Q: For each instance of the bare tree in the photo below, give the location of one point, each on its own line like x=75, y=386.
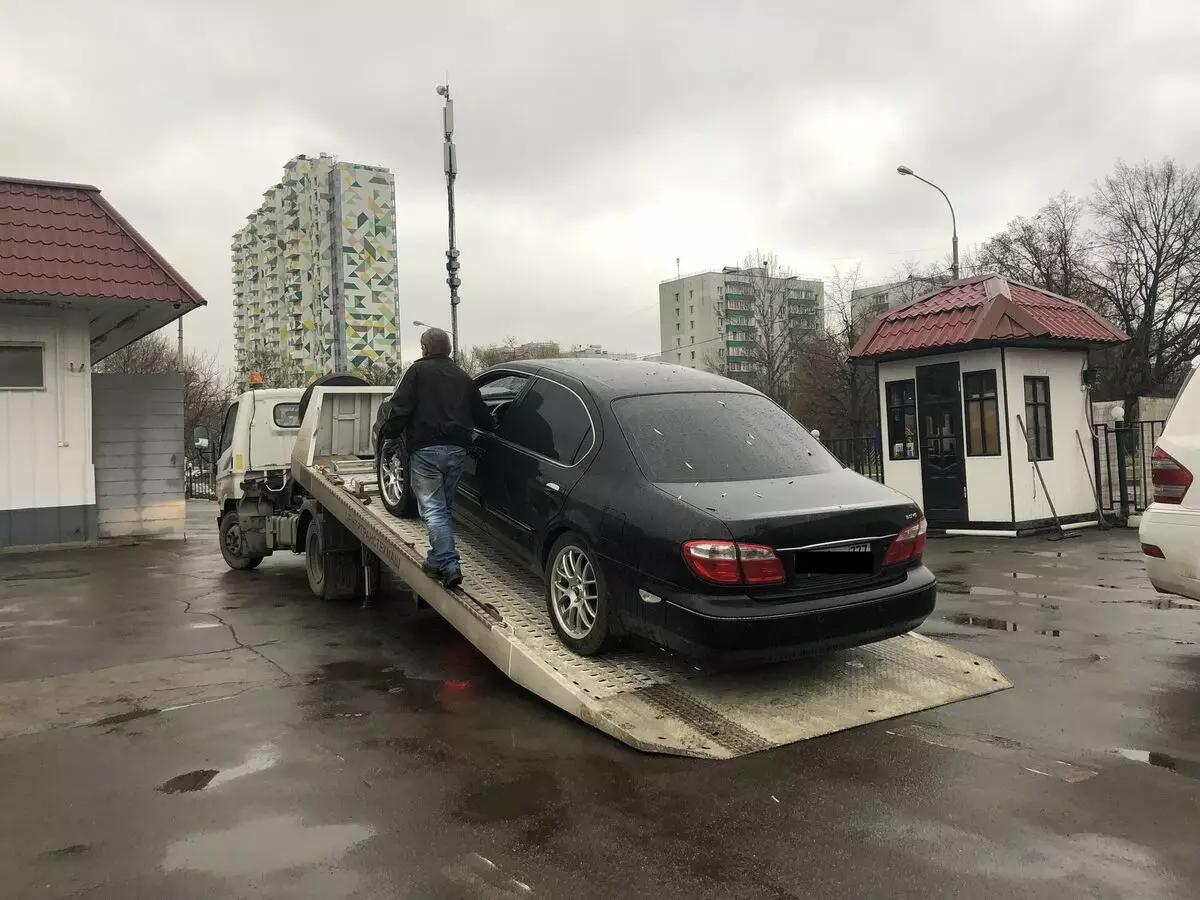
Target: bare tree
x=758, y=310
x=481, y=358
x=1136, y=260
x=379, y=372
x=1147, y=271
x=278, y=369
x=829, y=392
x=1049, y=250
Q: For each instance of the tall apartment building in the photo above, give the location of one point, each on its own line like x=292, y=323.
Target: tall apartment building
x=707, y=320
x=314, y=270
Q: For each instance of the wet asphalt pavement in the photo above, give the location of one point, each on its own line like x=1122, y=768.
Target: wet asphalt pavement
x=295, y=749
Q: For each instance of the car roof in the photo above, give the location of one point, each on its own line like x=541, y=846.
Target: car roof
x=608, y=379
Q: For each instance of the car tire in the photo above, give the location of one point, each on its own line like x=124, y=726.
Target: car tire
x=332, y=577
x=230, y=539
x=572, y=566
x=395, y=493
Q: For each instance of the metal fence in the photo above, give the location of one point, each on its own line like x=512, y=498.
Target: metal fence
x=198, y=479
x=1121, y=465
x=862, y=454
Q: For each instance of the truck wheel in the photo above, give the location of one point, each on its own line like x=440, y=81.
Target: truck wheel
x=231, y=544
x=577, y=597
x=395, y=479
x=332, y=577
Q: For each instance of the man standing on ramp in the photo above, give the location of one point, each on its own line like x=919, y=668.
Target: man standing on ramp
x=438, y=406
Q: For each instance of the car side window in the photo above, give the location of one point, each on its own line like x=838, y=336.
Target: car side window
x=550, y=421
x=501, y=387
x=227, y=430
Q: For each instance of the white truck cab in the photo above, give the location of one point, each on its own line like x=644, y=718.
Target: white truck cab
x=257, y=437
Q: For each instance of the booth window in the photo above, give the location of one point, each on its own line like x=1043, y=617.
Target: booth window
x=983, y=413
x=1037, y=418
x=22, y=367
x=901, y=419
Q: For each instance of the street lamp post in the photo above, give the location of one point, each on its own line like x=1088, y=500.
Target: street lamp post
x=905, y=170
x=449, y=158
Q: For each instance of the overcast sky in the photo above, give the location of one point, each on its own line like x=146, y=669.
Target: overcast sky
x=596, y=142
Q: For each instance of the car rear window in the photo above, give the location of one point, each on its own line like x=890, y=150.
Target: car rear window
x=717, y=437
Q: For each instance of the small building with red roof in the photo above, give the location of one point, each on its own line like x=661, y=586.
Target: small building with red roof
x=83, y=456
x=983, y=396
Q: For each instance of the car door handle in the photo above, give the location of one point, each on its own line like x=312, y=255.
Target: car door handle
x=551, y=486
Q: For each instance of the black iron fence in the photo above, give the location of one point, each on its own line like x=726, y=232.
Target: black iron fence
x=198, y=481
x=1121, y=465
x=862, y=454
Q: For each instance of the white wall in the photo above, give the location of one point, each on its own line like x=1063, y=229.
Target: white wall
x=1066, y=476
x=139, y=455
x=45, y=435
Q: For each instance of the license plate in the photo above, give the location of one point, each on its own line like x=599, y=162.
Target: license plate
x=850, y=548
x=847, y=559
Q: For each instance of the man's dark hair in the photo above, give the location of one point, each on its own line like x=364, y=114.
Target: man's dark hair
x=436, y=342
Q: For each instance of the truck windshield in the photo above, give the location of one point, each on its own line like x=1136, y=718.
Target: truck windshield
x=717, y=437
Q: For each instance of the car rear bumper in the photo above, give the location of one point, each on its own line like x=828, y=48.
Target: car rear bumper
x=759, y=632
x=1175, y=531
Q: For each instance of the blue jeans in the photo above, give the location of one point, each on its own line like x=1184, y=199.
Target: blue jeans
x=435, y=474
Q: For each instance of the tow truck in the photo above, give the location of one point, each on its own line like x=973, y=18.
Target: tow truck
x=295, y=472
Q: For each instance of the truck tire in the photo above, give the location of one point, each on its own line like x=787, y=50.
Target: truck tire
x=331, y=577
x=230, y=539
x=395, y=479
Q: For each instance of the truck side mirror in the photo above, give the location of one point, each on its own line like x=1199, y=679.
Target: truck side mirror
x=201, y=440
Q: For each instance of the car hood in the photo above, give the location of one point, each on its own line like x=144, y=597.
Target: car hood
x=801, y=510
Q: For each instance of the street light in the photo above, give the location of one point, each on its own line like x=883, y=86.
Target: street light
x=450, y=160
x=905, y=170
x=421, y=324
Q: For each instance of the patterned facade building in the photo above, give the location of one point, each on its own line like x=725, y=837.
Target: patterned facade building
x=314, y=272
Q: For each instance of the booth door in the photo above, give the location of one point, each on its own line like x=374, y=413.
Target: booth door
x=940, y=430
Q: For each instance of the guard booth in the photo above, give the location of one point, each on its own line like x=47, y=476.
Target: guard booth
x=984, y=403
x=83, y=456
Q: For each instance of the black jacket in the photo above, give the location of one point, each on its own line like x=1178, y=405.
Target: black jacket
x=435, y=403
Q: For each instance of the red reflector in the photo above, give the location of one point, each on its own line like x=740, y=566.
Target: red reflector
x=908, y=545
x=1171, y=480
x=724, y=562
x=1153, y=550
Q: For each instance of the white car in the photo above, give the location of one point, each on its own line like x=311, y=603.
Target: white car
x=1170, y=529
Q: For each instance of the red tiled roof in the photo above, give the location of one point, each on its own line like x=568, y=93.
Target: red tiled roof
x=65, y=240
x=987, y=309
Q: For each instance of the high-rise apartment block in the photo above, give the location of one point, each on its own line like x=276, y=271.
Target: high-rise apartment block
x=708, y=320
x=314, y=271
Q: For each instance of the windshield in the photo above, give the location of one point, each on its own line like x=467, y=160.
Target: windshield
x=717, y=437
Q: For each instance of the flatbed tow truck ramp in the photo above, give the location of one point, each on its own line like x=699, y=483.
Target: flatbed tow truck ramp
x=653, y=702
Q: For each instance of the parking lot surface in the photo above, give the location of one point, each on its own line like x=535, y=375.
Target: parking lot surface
x=169, y=728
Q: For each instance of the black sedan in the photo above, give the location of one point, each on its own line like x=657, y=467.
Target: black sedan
x=686, y=508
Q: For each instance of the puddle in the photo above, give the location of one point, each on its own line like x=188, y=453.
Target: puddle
x=1020, y=575
x=126, y=717
x=196, y=780
x=1189, y=768
x=265, y=846
x=997, y=624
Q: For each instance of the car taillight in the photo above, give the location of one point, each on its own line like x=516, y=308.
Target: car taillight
x=1171, y=480
x=908, y=545
x=725, y=562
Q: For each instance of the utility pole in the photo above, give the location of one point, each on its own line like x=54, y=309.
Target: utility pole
x=451, y=166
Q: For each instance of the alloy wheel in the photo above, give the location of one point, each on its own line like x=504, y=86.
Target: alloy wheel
x=391, y=474
x=574, y=592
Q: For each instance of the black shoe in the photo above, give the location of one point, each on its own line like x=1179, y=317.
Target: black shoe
x=452, y=578
x=434, y=573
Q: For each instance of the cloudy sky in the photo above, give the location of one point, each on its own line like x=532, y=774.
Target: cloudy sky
x=597, y=142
